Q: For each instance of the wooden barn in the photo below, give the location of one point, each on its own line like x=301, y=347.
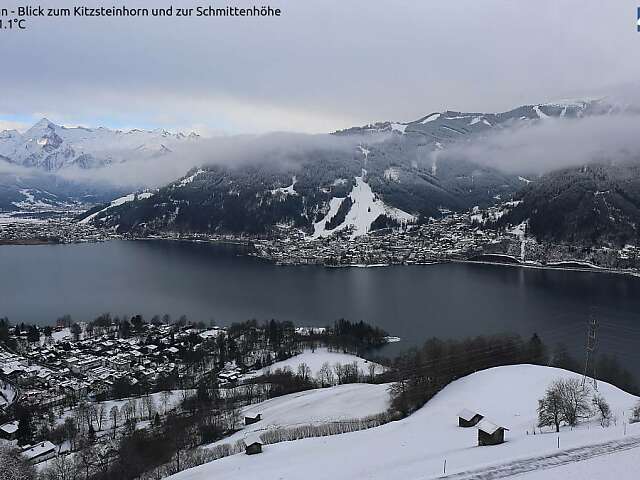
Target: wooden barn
x=490, y=434
x=468, y=418
x=253, y=444
x=252, y=417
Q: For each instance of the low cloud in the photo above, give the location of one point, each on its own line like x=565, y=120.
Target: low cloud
x=555, y=143
x=275, y=151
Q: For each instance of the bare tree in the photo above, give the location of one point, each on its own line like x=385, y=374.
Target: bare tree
x=603, y=409
x=132, y=405
x=635, y=413
x=339, y=370
x=325, y=375
x=550, y=409
x=114, y=414
x=62, y=467
x=101, y=413
x=149, y=406
x=165, y=397
x=14, y=465
x=565, y=400
x=304, y=371
x=372, y=371
x=575, y=400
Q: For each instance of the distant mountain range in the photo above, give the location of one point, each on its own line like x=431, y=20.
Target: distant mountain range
x=32, y=163
x=392, y=174
x=51, y=147
x=400, y=176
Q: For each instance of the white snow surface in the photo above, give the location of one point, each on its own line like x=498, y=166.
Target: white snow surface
x=187, y=180
x=622, y=465
x=117, y=202
x=539, y=112
x=342, y=402
x=319, y=228
x=416, y=447
x=316, y=359
x=431, y=118
x=366, y=208
x=286, y=190
x=399, y=127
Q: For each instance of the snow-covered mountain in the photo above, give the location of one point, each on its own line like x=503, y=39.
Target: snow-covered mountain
x=52, y=147
x=395, y=174
x=450, y=125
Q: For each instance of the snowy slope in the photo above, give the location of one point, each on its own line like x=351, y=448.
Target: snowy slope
x=417, y=446
x=316, y=359
x=621, y=465
x=117, y=202
x=343, y=402
x=366, y=208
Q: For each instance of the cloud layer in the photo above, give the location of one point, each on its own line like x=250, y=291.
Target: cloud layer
x=323, y=65
x=555, y=143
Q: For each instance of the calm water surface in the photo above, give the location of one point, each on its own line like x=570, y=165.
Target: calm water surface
x=41, y=283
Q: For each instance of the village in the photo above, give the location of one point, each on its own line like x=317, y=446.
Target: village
x=474, y=235
x=75, y=371
x=46, y=227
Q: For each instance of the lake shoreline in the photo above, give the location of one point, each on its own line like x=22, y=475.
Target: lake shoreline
x=250, y=244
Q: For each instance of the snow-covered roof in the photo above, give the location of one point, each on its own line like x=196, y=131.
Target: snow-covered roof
x=252, y=414
x=39, y=449
x=467, y=415
x=252, y=438
x=489, y=427
x=11, y=427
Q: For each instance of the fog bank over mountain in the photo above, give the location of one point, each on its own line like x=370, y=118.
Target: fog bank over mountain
x=555, y=143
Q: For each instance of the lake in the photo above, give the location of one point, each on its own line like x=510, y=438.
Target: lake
x=40, y=283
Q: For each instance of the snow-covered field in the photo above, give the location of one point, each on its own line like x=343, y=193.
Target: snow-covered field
x=316, y=359
x=622, y=465
x=343, y=402
x=417, y=447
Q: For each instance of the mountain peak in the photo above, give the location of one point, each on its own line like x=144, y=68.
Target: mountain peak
x=43, y=122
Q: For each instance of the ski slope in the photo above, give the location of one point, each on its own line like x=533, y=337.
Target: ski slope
x=416, y=447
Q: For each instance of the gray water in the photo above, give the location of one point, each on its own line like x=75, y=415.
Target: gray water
x=40, y=283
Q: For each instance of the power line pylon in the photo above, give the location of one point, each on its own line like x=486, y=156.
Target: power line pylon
x=590, y=361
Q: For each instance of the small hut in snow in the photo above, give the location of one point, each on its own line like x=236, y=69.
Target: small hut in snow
x=468, y=418
x=252, y=417
x=253, y=444
x=489, y=433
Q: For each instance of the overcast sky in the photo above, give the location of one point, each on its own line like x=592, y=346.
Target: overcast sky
x=323, y=65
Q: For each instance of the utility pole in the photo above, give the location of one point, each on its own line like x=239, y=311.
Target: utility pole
x=590, y=360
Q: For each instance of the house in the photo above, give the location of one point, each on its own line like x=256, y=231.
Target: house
x=39, y=452
x=468, y=418
x=253, y=444
x=252, y=417
x=9, y=431
x=489, y=433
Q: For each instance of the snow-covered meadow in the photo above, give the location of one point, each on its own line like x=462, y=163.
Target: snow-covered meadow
x=417, y=446
x=316, y=359
x=315, y=407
